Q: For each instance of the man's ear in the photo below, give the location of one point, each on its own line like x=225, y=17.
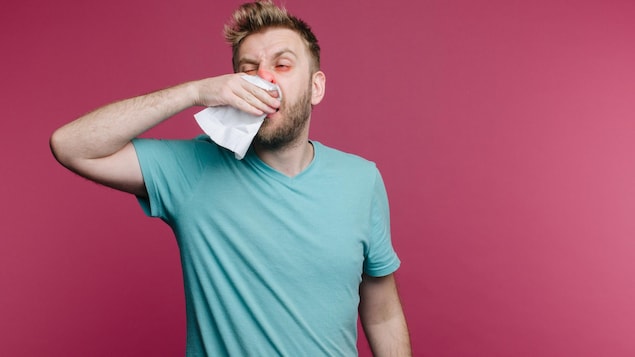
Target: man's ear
x=318, y=87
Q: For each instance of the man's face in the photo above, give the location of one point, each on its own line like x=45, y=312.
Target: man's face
x=280, y=56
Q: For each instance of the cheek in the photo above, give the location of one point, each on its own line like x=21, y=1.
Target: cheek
x=292, y=90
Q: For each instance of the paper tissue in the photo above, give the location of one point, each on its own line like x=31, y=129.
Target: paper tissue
x=232, y=128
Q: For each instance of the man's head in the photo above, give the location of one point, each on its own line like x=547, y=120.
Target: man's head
x=259, y=16
x=280, y=48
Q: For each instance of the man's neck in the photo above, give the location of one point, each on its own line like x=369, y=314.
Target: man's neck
x=290, y=159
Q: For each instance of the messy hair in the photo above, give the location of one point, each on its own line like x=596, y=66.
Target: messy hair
x=261, y=15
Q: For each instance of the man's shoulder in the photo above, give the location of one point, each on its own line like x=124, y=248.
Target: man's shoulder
x=344, y=161
x=343, y=156
x=198, y=142
x=200, y=149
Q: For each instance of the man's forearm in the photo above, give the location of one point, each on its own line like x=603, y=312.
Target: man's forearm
x=382, y=317
x=98, y=145
x=106, y=130
x=389, y=338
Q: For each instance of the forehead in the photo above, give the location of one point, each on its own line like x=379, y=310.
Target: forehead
x=270, y=42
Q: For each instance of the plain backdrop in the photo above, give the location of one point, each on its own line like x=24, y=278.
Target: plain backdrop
x=504, y=130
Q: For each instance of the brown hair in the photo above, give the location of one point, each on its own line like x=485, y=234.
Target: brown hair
x=258, y=16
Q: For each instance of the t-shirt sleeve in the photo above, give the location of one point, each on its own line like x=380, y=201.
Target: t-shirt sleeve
x=381, y=258
x=170, y=170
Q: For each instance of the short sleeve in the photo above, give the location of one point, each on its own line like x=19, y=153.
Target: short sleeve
x=381, y=258
x=170, y=170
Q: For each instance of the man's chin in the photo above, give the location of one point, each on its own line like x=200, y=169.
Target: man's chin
x=269, y=144
x=269, y=138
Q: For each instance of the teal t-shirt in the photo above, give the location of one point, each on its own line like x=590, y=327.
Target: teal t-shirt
x=271, y=264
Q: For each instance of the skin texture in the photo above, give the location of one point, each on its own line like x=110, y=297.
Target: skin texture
x=98, y=145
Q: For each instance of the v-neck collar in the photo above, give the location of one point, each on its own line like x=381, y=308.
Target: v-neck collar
x=253, y=159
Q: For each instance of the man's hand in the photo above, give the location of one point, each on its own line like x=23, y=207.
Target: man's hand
x=234, y=91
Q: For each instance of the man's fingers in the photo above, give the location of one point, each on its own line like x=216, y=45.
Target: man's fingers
x=258, y=100
x=234, y=91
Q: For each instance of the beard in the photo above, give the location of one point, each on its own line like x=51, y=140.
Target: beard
x=293, y=120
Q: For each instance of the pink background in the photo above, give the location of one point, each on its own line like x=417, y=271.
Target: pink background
x=504, y=129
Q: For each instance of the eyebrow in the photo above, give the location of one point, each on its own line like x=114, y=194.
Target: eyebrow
x=244, y=61
x=282, y=52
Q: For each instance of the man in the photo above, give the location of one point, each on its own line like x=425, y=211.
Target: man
x=280, y=250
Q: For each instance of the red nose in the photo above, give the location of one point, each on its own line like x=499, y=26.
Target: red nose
x=266, y=75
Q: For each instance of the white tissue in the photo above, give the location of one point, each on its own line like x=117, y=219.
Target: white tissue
x=232, y=128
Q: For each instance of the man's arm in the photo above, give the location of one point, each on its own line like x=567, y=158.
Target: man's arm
x=98, y=145
x=382, y=317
